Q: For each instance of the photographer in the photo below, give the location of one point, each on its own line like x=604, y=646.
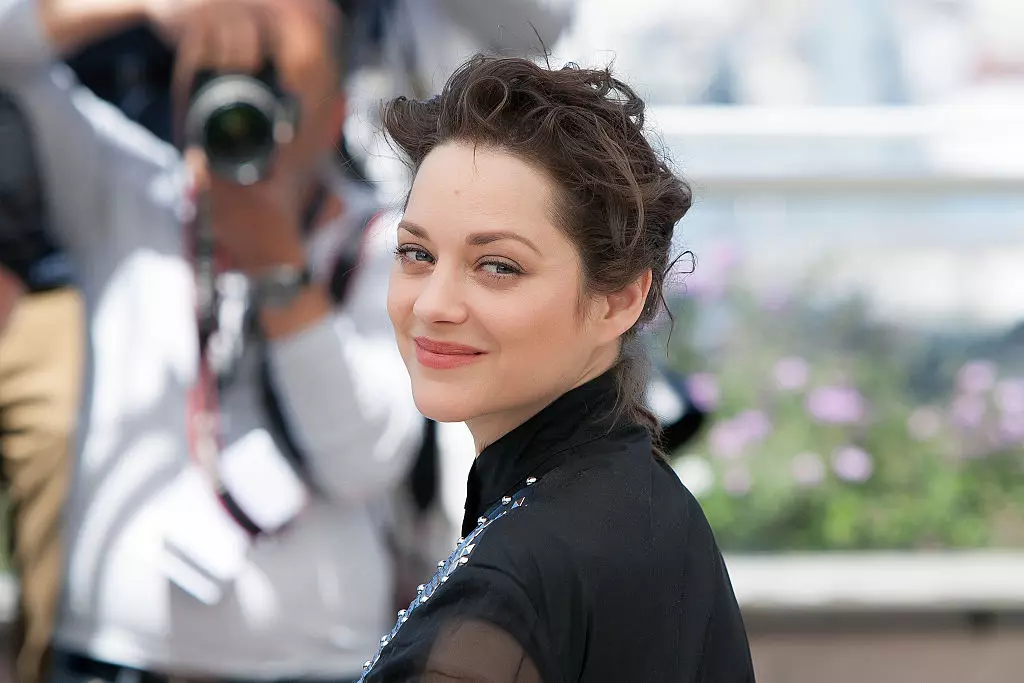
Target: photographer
x=238, y=429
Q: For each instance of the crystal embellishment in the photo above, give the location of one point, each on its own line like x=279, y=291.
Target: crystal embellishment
x=446, y=568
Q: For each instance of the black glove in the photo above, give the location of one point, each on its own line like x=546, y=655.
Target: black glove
x=25, y=248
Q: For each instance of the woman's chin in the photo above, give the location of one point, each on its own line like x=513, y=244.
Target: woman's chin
x=440, y=408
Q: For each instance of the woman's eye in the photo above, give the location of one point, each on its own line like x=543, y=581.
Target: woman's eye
x=499, y=269
x=413, y=254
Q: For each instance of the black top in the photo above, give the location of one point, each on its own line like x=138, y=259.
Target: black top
x=583, y=559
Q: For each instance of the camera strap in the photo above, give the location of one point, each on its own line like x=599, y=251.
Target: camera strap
x=204, y=410
x=204, y=423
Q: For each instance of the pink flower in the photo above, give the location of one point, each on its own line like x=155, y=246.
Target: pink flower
x=1010, y=396
x=791, y=373
x=968, y=411
x=726, y=441
x=1011, y=430
x=753, y=424
x=729, y=438
x=852, y=464
x=703, y=389
x=976, y=376
x=836, y=405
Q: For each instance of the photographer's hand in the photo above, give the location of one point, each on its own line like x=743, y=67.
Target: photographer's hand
x=258, y=226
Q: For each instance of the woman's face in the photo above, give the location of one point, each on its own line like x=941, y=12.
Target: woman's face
x=485, y=294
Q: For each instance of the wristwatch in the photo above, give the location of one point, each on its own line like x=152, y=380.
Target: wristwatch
x=279, y=286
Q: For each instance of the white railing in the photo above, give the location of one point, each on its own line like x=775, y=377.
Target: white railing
x=957, y=582
x=730, y=151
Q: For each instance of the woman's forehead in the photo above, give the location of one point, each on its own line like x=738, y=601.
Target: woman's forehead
x=460, y=181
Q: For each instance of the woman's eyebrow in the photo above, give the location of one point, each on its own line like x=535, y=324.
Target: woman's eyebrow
x=478, y=239
x=413, y=229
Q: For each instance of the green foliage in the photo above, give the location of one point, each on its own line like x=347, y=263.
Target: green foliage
x=833, y=431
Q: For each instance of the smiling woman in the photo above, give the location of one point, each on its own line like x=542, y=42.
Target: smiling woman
x=533, y=249
x=481, y=263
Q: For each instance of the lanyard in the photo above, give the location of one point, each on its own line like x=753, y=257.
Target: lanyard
x=203, y=409
x=204, y=415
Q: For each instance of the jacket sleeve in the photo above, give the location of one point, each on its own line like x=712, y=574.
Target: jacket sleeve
x=345, y=391
x=86, y=148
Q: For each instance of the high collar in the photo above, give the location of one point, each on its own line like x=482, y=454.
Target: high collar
x=540, y=444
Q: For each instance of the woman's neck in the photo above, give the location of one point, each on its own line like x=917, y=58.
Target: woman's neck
x=486, y=429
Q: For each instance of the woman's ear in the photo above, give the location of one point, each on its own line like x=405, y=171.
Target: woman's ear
x=624, y=307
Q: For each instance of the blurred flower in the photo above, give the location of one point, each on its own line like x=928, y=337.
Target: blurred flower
x=852, y=464
x=968, y=411
x=711, y=274
x=736, y=480
x=753, y=424
x=696, y=474
x=774, y=300
x=808, y=469
x=1010, y=396
x=924, y=423
x=1011, y=430
x=705, y=282
x=703, y=390
x=726, y=256
x=726, y=440
x=791, y=373
x=836, y=405
x=729, y=438
x=976, y=376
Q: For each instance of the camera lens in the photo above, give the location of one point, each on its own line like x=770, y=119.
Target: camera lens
x=238, y=132
x=238, y=120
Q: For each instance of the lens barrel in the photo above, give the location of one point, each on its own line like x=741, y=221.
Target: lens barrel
x=239, y=120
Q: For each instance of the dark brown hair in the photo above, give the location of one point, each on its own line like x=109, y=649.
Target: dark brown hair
x=617, y=199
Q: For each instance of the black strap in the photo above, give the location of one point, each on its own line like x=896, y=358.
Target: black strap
x=280, y=428
x=424, y=478
x=237, y=513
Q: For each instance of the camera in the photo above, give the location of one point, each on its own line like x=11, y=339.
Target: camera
x=239, y=120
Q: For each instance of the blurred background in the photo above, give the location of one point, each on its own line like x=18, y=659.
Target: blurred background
x=854, y=323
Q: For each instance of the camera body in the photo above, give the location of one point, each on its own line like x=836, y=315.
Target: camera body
x=239, y=120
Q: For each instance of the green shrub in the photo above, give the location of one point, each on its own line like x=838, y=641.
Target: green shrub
x=834, y=431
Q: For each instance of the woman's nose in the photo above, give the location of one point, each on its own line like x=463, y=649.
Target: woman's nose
x=442, y=298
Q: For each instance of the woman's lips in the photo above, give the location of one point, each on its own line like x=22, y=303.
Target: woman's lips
x=445, y=355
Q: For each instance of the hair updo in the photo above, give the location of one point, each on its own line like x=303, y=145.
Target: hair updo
x=616, y=198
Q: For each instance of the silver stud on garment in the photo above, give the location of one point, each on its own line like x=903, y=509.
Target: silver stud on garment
x=530, y=481
x=463, y=560
x=419, y=589
x=383, y=640
x=481, y=520
x=401, y=613
x=440, y=564
x=505, y=500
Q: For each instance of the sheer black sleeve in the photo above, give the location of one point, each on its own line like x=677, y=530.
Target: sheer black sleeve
x=478, y=626
x=511, y=611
